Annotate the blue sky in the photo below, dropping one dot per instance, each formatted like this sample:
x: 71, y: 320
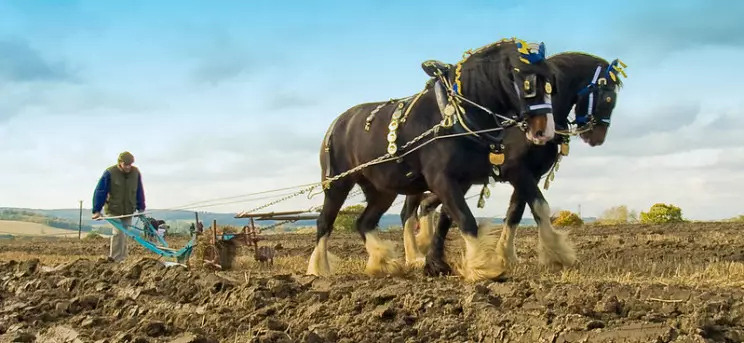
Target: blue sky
x: 196, y: 90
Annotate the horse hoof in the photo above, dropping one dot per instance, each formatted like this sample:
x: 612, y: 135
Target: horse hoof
x: 437, y: 269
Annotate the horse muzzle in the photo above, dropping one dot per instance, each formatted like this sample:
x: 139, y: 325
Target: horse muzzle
x: 540, y: 123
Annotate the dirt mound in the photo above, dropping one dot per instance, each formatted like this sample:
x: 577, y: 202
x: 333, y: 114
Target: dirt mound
x: 674, y: 283
x: 88, y: 300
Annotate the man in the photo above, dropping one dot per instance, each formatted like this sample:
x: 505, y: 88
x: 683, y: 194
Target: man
x: 119, y: 192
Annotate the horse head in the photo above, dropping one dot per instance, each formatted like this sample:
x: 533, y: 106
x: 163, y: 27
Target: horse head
x: 511, y: 77
x: 596, y: 102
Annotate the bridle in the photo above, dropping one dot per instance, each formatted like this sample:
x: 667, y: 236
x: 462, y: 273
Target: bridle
x: 449, y: 92
x: 588, y: 121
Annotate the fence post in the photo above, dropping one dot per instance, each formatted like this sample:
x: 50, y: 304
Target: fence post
x: 80, y: 221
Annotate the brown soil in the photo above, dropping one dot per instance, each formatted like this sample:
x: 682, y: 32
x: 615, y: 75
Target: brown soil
x: 669, y: 283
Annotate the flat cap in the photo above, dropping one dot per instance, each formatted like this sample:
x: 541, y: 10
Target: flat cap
x: 126, y: 157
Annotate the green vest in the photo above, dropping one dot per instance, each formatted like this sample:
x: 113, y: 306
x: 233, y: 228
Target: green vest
x: 122, y: 196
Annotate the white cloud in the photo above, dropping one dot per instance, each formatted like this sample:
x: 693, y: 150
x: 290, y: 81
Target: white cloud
x: 677, y: 134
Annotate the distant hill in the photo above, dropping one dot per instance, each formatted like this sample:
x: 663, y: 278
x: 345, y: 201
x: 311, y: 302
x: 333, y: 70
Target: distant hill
x: 38, y: 217
x: 19, y: 228
x: 387, y: 220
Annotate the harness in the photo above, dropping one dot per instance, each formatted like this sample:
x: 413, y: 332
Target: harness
x: 450, y: 98
x: 588, y: 120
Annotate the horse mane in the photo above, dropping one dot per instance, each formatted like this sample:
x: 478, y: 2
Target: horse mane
x: 573, y: 63
x: 489, y: 68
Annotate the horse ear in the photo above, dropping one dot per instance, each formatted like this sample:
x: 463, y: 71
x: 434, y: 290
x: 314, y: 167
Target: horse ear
x: 541, y: 50
x: 615, y: 69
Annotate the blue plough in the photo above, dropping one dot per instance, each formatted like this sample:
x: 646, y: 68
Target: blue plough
x: 161, y: 246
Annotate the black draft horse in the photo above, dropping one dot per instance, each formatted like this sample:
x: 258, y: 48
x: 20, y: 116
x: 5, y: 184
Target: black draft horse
x: 588, y: 82
x: 508, y: 77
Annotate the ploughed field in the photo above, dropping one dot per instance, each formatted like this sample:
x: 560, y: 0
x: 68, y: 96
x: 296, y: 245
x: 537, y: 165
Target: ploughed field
x: 634, y: 283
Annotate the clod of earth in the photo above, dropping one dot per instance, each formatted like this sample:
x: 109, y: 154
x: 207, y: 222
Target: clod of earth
x: 642, y: 284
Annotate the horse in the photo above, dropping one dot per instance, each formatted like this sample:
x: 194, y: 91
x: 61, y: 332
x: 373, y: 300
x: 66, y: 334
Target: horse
x: 507, y: 83
x: 582, y: 80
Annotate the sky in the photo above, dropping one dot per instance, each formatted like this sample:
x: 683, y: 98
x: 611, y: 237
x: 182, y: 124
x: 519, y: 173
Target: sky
x: 221, y: 99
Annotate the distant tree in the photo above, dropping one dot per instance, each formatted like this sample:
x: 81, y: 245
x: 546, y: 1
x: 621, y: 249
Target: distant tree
x: 662, y: 213
x: 633, y: 217
x: 617, y: 215
x: 345, y: 221
x: 568, y: 218
x: 737, y: 219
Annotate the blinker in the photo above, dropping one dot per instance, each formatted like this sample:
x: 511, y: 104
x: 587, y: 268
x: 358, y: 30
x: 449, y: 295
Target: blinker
x: 548, y: 88
x: 529, y: 86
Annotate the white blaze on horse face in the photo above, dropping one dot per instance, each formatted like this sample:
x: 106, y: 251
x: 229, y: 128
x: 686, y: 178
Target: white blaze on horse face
x: 550, y: 129
x: 549, y: 132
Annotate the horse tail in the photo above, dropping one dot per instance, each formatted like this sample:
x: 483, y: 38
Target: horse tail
x: 326, y: 162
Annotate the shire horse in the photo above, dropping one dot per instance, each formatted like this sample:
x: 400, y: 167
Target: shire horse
x: 587, y: 82
x: 507, y: 79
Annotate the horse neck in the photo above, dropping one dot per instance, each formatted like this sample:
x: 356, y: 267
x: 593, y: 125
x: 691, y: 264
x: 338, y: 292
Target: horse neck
x: 490, y: 95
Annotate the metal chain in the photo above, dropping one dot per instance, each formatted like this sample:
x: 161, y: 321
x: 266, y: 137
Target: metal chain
x: 303, y: 191
x: 320, y: 207
x: 327, y: 182
x: 278, y: 224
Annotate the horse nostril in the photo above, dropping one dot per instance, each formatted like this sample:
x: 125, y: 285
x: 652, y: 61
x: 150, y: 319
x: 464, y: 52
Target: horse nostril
x: 540, y: 133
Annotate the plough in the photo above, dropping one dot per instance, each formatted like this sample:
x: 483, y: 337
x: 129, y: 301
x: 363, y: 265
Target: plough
x: 222, y: 245
x: 220, y: 248
x: 160, y: 247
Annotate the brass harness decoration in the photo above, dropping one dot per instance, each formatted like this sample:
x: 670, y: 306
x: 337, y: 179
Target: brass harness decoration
x: 453, y: 110
x: 398, y: 118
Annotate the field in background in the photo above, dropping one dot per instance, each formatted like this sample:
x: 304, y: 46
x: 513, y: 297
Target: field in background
x: 19, y: 228
x: 634, y: 283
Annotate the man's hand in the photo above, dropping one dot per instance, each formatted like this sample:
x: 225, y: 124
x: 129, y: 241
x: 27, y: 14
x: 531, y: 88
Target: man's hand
x: 96, y: 216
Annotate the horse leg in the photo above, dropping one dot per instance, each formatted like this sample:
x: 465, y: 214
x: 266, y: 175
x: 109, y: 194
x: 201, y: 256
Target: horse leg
x: 553, y: 247
x: 513, y: 216
x: 332, y: 202
x: 383, y: 258
x: 409, y: 218
x: 435, y: 264
x: 426, y: 223
x: 481, y: 260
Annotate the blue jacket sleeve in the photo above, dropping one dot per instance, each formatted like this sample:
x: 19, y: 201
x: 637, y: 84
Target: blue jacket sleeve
x: 140, y: 194
x: 101, y: 192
